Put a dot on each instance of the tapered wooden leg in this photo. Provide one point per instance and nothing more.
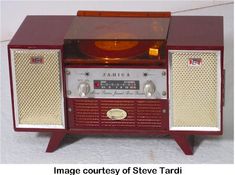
(55, 140)
(185, 142)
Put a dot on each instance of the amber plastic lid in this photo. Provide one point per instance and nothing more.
(118, 28)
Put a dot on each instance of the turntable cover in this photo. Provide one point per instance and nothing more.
(118, 28)
(116, 38)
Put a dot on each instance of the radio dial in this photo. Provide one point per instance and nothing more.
(83, 89)
(149, 89)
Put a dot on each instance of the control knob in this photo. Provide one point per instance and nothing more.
(83, 89)
(149, 88)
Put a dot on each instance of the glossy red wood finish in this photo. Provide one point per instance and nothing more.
(42, 31)
(185, 142)
(55, 141)
(196, 32)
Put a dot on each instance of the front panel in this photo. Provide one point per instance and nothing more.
(117, 98)
(37, 88)
(195, 90)
(116, 83)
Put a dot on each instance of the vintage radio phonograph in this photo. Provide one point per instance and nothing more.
(144, 73)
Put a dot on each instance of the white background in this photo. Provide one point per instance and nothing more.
(30, 147)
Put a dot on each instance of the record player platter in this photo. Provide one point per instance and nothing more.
(114, 48)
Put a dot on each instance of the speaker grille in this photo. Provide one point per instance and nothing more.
(194, 89)
(37, 85)
(141, 114)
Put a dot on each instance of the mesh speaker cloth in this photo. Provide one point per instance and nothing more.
(37, 87)
(194, 90)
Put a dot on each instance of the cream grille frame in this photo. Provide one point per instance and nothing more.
(57, 54)
(172, 127)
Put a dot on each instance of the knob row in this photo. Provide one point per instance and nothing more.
(84, 89)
